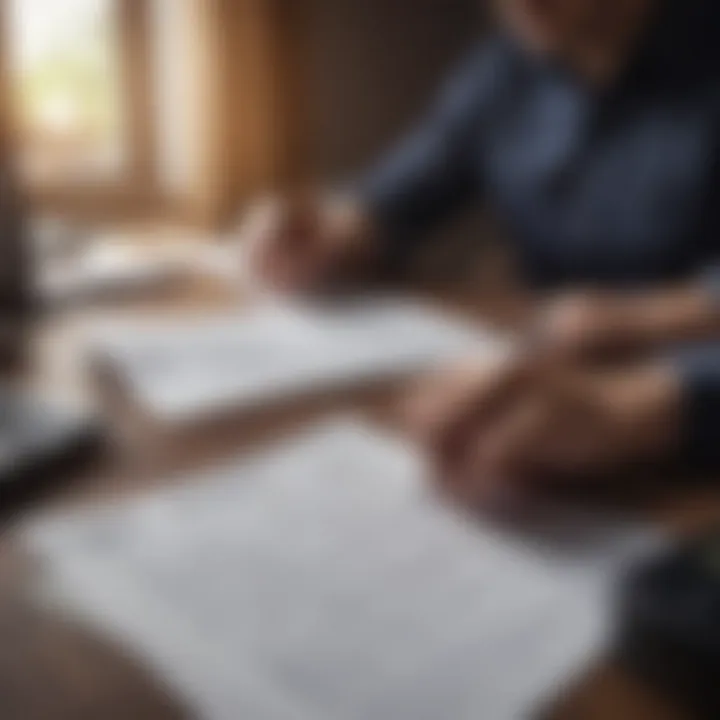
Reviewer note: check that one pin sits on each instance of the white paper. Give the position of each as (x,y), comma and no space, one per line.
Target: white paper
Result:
(324,581)
(184,369)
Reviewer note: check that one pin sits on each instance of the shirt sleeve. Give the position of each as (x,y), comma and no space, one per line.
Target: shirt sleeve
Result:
(699,368)
(710,278)
(435,170)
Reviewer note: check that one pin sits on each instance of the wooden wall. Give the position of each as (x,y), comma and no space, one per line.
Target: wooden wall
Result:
(315,89)
(375,65)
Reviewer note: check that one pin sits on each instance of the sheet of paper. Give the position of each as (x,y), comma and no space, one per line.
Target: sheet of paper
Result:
(188,368)
(324,581)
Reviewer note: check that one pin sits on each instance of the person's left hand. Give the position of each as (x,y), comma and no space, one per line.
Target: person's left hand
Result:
(522,423)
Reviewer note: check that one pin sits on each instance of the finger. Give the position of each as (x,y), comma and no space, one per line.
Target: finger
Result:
(283,271)
(460,432)
(291,268)
(259,240)
(277,236)
(300,222)
(430,399)
(453,419)
(490,470)
(508,452)
(554,435)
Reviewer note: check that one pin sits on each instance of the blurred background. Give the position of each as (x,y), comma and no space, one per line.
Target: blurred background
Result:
(180,110)
(135,121)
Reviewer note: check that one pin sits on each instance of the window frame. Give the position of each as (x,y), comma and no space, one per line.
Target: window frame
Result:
(135,188)
(249,55)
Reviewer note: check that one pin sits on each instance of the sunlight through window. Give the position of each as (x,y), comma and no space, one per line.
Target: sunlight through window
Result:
(68,77)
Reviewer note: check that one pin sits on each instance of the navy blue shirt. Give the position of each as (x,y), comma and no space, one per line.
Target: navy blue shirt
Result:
(615,187)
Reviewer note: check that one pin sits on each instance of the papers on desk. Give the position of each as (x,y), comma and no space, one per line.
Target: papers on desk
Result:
(324,581)
(185,369)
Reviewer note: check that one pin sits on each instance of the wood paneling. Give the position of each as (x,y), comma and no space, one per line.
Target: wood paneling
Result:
(252,132)
(374,67)
(316,89)
(138,89)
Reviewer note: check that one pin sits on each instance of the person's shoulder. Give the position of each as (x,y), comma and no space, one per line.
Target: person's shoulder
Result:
(494,58)
(490,70)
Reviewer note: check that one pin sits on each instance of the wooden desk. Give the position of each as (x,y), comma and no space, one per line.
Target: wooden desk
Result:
(52,671)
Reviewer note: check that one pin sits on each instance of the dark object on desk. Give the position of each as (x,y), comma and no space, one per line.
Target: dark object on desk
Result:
(39,443)
(16,302)
(670,625)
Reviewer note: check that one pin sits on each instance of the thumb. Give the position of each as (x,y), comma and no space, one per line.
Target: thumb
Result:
(299,218)
(508,452)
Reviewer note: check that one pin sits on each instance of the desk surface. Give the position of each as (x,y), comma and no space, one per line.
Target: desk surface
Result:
(52,671)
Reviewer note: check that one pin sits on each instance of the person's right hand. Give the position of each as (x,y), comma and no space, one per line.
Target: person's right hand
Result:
(307,245)
(520,422)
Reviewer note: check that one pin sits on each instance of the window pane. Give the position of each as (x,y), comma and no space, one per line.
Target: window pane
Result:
(67,71)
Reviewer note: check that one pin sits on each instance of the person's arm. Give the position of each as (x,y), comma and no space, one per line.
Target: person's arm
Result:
(435,171)
(326,240)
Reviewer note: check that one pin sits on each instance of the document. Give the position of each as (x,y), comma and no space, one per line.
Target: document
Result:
(186,369)
(325,581)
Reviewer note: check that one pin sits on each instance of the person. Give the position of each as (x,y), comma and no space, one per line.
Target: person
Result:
(593,127)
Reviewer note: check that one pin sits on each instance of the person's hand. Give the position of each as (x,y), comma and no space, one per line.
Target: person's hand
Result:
(451,411)
(309,244)
(521,423)
(589,324)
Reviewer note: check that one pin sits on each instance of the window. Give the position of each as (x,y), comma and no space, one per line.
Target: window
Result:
(149,107)
(67,68)
(81,92)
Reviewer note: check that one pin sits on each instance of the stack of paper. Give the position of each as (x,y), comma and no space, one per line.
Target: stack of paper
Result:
(188,368)
(325,582)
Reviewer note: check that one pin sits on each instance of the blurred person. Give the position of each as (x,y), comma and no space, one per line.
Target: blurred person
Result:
(593,127)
